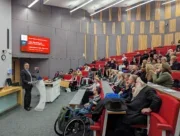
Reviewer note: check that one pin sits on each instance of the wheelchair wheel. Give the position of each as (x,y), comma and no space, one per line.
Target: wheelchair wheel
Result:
(75,127)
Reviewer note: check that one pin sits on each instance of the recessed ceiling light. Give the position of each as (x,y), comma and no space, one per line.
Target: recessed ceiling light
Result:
(34,2)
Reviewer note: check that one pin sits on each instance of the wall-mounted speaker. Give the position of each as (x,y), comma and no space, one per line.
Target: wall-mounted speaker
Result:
(7,38)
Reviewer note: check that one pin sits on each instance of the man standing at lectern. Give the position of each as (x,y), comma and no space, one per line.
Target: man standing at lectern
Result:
(26,79)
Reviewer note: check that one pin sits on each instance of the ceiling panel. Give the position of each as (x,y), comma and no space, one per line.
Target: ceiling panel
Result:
(95,5)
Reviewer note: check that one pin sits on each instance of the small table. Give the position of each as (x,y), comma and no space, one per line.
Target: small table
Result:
(10,97)
(107,112)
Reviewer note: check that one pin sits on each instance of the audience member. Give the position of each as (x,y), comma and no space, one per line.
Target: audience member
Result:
(163,60)
(178,48)
(149,60)
(136,58)
(135,70)
(144,62)
(174,64)
(73,82)
(164,78)
(86,68)
(145,56)
(152,52)
(78,72)
(142,100)
(168,54)
(92,102)
(70,71)
(124,58)
(89,90)
(149,67)
(112,64)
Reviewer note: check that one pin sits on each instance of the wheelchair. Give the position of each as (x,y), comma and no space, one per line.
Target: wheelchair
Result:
(78,125)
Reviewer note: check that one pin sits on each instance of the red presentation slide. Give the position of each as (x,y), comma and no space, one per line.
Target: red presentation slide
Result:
(34,44)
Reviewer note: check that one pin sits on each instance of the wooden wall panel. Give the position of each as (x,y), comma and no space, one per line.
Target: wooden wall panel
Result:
(95,28)
(85,46)
(129,15)
(107,46)
(157,10)
(95,47)
(177,37)
(118,45)
(92,19)
(148,11)
(16,70)
(161,26)
(138,13)
(113,28)
(101,16)
(142,42)
(123,27)
(167,11)
(119,14)
(151,29)
(177,8)
(110,14)
(130,43)
(87,27)
(168,38)
(172,25)
(142,24)
(132,27)
(156,40)
(104,28)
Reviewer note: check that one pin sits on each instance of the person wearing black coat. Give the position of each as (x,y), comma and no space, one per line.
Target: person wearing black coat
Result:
(174,64)
(26,78)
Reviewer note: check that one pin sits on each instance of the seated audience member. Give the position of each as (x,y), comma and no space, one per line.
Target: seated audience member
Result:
(70,71)
(56,75)
(89,90)
(114,60)
(143,100)
(93,72)
(120,81)
(168,54)
(86,68)
(61,75)
(159,55)
(158,64)
(149,60)
(163,60)
(113,76)
(121,66)
(152,52)
(135,70)
(73,82)
(154,62)
(125,62)
(112,64)
(106,68)
(94,62)
(164,78)
(174,64)
(136,58)
(124,57)
(129,85)
(78,72)
(178,48)
(144,62)
(149,68)
(145,56)
(92,102)
(99,72)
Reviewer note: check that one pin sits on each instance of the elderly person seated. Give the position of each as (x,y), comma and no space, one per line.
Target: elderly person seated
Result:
(174,64)
(135,70)
(164,78)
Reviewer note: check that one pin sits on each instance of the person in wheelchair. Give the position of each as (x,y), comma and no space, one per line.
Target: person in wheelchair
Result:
(92,102)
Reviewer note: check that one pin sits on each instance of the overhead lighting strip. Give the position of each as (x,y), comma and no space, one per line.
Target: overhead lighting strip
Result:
(168,2)
(34,2)
(106,7)
(81,5)
(139,5)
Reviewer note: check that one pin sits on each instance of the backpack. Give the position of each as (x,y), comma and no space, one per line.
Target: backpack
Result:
(176,83)
(66,113)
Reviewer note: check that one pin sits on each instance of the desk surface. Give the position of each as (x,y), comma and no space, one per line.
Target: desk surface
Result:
(163,89)
(77,97)
(116,112)
(10,90)
(106,87)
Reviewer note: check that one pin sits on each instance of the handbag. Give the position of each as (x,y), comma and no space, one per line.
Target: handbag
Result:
(115,105)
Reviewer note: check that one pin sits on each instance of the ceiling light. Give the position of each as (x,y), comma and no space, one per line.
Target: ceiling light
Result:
(106,7)
(81,6)
(140,5)
(168,2)
(34,2)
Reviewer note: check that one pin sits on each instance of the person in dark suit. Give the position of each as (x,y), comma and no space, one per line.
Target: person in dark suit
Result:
(174,64)
(26,78)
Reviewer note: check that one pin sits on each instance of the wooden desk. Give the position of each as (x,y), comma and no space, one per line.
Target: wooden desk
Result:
(174,94)
(107,113)
(10,97)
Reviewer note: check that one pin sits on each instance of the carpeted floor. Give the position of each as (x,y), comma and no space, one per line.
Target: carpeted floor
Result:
(19,122)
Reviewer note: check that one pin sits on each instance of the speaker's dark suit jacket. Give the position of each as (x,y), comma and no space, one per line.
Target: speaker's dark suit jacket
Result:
(25,78)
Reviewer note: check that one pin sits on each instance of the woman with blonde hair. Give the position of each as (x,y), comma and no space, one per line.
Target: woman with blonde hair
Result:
(149,67)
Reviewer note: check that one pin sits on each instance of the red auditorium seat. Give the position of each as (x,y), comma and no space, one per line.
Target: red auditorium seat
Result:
(85,73)
(67,77)
(78,80)
(176,75)
(164,122)
(178,59)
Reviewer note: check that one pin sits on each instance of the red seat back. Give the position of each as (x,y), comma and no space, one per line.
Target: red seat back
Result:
(67,77)
(169,109)
(176,75)
(85,73)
